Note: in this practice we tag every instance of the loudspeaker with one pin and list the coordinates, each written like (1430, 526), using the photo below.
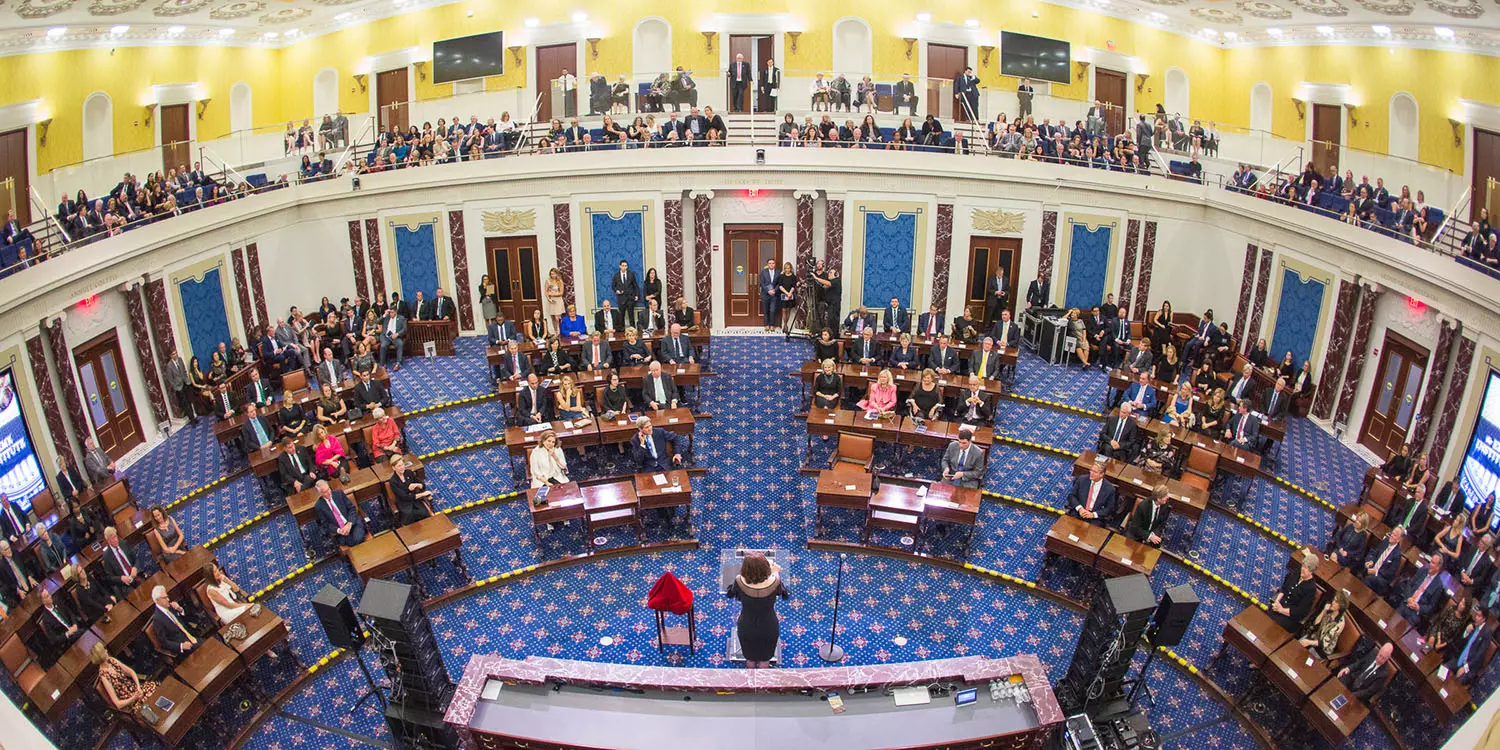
(1178, 605)
(338, 619)
(409, 651)
(1117, 619)
(418, 728)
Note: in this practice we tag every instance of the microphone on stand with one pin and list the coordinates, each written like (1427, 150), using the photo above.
(832, 652)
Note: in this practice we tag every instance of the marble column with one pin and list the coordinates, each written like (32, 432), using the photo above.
(833, 224)
(1337, 351)
(671, 209)
(562, 239)
(63, 363)
(1262, 288)
(459, 247)
(942, 258)
(1049, 246)
(357, 256)
(42, 377)
(252, 259)
(1430, 400)
(1143, 276)
(703, 262)
(1356, 367)
(805, 201)
(242, 293)
(377, 259)
(1247, 290)
(140, 332)
(1127, 271)
(1455, 402)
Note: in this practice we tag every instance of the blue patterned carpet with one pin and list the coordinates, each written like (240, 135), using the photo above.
(894, 610)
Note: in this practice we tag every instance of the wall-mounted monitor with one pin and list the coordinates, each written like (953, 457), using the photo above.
(20, 471)
(468, 57)
(1038, 58)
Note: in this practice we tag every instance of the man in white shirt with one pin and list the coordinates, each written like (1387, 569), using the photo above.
(658, 390)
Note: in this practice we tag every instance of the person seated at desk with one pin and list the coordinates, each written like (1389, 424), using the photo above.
(828, 387)
(859, 320)
(963, 462)
(1179, 411)
(1243, 387)
(634, 352)
(930, 323)
(226, 596)
(942, 359)
(515, 365)
(121, 685)
(18, 576)
(1006, 333)
(92, 597)
(1243, 430)
(895, 318)
(59, 626)
(548, 463)
(330, 408)
(533, 403)
(385, 435)
(826, 346)
(596, 354)
(1137, 359)
(864, 351)
(1399, 465)
(1477, 564)
(1158, 455)
(1449, 499)
(1475, 638)
(683, 316)
(926, 400)
(570, 401)
(607, 319)
(1417, 474)
(1148, 521)
(369, 392)
(1349, 541)
(329, 455)
(655, 450)
(614, 398)
(258, 391)
(676, 348)
(295, 467)
(1294, 601)
(572, 324)
(1450, 541)
(1321, 634)
(1412, 516)
(1119, 437)
(500, 330)
(651, 320)
(170, 540)
(974, 408)
(880, 397)
(657, 389)
(1480, 517)
(223, 402)
(1166, 367)
(1419, 594)
(966, 330)
(535, 328)
(556, 360)
(339, 516)
(986, 362)
(51, 553)
(413, 499)
(1092, 497)
(1141, 395)
(904, 355)
(168, 623)
(1383, 561)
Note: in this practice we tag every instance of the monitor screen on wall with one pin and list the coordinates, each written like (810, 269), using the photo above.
(1480, 473)
(20, 470)
(1025, 56)
(468, 57)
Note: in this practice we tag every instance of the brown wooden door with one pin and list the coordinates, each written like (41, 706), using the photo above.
(1328, 122)
(945, 63)
(551, 62)
(740, 44)
(748, 247)
(765, 49)
(1109, 87)
(15, 175)
(1486, 171)
(392, 98)
(985, 255)
(513, 268)
(176, 138)
(1393, 401)
(106, 394)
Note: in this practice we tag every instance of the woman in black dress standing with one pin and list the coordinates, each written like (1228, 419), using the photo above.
(652, 289)
(1161, 328)
(757, 586)
(786, 291)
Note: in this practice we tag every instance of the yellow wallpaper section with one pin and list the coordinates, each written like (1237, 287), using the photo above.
(282, 79)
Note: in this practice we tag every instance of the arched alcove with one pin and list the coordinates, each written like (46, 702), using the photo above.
(1260, 107)
(98, 126)
(241, 116)
(852, 50)
(1405, 121)
(1175, 92)
(651, 44)
(326, 92)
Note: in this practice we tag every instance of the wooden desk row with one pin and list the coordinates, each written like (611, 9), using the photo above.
(263, 460)
(700, 338)
(1233, 460)
(227, 430)
(406, 547)
(1120, 381)
(926, 503)
(581, 433)
(1136, 482)
(1111, 553)
(860, 376)
(632, 377)
(897, 430)
(611, 501)
(923, 343)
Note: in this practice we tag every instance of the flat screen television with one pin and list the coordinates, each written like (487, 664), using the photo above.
(20, 471)
(468, 57)
(1038, 58)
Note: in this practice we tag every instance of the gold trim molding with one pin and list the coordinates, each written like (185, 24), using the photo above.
(507, 220)
(999, 221)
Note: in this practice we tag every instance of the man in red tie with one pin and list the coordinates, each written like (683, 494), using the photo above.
(1092, 497)
(930, 323)
(1421, 592)
(739, 82)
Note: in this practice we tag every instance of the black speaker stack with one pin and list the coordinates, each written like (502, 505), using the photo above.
(421, 688)
(337, 616)
(1121, 612)
(1178, 605)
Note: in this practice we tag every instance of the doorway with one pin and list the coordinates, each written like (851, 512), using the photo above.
(985, 255)
(757, 49)
(1393, 401)
(1109, 88)
(513, 267)
(750, 246)
(1485, 172)
(392, 98)
(551, 62)
(16, 175)
(176, 138)
(1327, 126)
(945, 63)
(106, 394)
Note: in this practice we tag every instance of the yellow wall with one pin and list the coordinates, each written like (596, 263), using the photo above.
(282, 80)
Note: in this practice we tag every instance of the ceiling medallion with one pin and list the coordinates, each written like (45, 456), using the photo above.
(1263, 9)
(1330, 8)
(172, 8)
(1387, 7)
(1217, 15)
(234, 10)
(1457, 8)
(113, 7)
(286, 15)
(42, 8)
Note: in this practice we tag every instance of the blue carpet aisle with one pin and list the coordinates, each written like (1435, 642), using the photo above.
(754, 496)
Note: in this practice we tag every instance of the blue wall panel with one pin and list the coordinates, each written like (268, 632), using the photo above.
(890, 251)
(416, 261)
(616, 240)
(1088, 265)
(203, 312)
(1297, 316)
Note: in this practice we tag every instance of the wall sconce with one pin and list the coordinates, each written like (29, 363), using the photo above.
(986, 51)
(792, 35)
(1083, 68)
(150, 112)
(1353, 118)
(359, 78)
(1458, 132)
(593, 46)
(1301, 108)
(41, 130)
(911, 42)
(421, 67)
(1140, 81)
(708, 39)
(515, 54)
(203, 107)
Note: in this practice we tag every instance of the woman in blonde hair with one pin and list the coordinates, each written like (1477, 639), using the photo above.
(121, 685)
(756, 588)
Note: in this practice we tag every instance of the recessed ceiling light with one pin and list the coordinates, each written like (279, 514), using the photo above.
(291, 32)
(1210, 33)
(1158, 16)
(924, 17)
(226, 32)
(271, 35)
(1275, 32)
(175, 30)
(56, 32)
(118, 30)
(1381, 29)
(1325, 30)
(1231, 36)
(346, 15)
(580, 17)
(532, 23)
(972, 23)
(1443, 31)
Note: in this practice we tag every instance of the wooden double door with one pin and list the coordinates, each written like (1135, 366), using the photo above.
(106, 394)
(514, 271)
(986, 255)
(15, 192)
(393, 98)
(749, 247)
(176, 138)
(1327, 136)
(1109, 88)
(1394, 399)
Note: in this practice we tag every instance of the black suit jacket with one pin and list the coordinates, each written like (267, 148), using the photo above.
(247, 433)
(288, 472)
(1477, 563)
(925, 322)
(408, 507)
(898, 321)
(113, 569)
(666, 446)
(69, 482)
(608, 320)
(167, 632)
(1434, 593)
(1247, 392)
(9, 586)
(13, 528)
(1386, 572)
(1141, 526)
(943, 359)
(1128, 434)
(518, 367)
(55, 624)
(1039, 293)
(370, 393)
(92, 599)
(648, 390)
(351, 513)
(1277, 404)
(541, 403)
(862, 348)
(746, 74)
(1361, 680)
(675, 351)
(626, 289)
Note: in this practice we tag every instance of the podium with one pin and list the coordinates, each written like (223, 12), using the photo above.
(438, 332)
(729, 569)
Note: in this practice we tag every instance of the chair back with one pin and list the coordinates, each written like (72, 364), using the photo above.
(365, 434)
(13, 655)
(854, 448)
(201, 589)
(294, 381)
(1381, 496)
(43, 503)
(1203, 462)
(1349, 637)
(156, 642)
(599, 399)
(153, 540)
(697, 318)
(115, 497)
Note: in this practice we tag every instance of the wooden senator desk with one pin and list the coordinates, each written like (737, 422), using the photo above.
(923, 343)
(363, 484)
(263, 460)
(588, 380)
(263, 632)
(344, 390)
(679, 421)
(699, 337)
(936, 502)
(419, 332)
(1236, 461)
(1312, 689)
(1096, 547)
(1254, 634)
(431, 538)
(1119, 381)
(379, 556)
(210, 668)
(1134, 482)
(67, 679)
(228, 430)
(574, 433)
(187, 708)
(859, 378)
(896, 430)
(612, 499)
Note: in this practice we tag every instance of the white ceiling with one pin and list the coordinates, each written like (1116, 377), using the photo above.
(25, 24)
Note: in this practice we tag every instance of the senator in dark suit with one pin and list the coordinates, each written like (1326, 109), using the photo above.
(1039, 292)
(608, 319)
(413, 500)
(118, 563)
(295, 467)
(895, 318)
(986, 362)
(1382, 562)
(515, 366)
(1242, 388)
(169, 624)
(624, 285)
(652, 449)
(1148, 521)
(1477, 563)
(943, 358)
(340, 517)
(657, 389)
(930, 323)
(1092, 497)
(1475, 640)
(1350, 540)
(1120, 435)
(1367, 676)
(1243, 430)
(1419, 594)
(60, 626)
(256, 432)
(18, 576)
(533, 402)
